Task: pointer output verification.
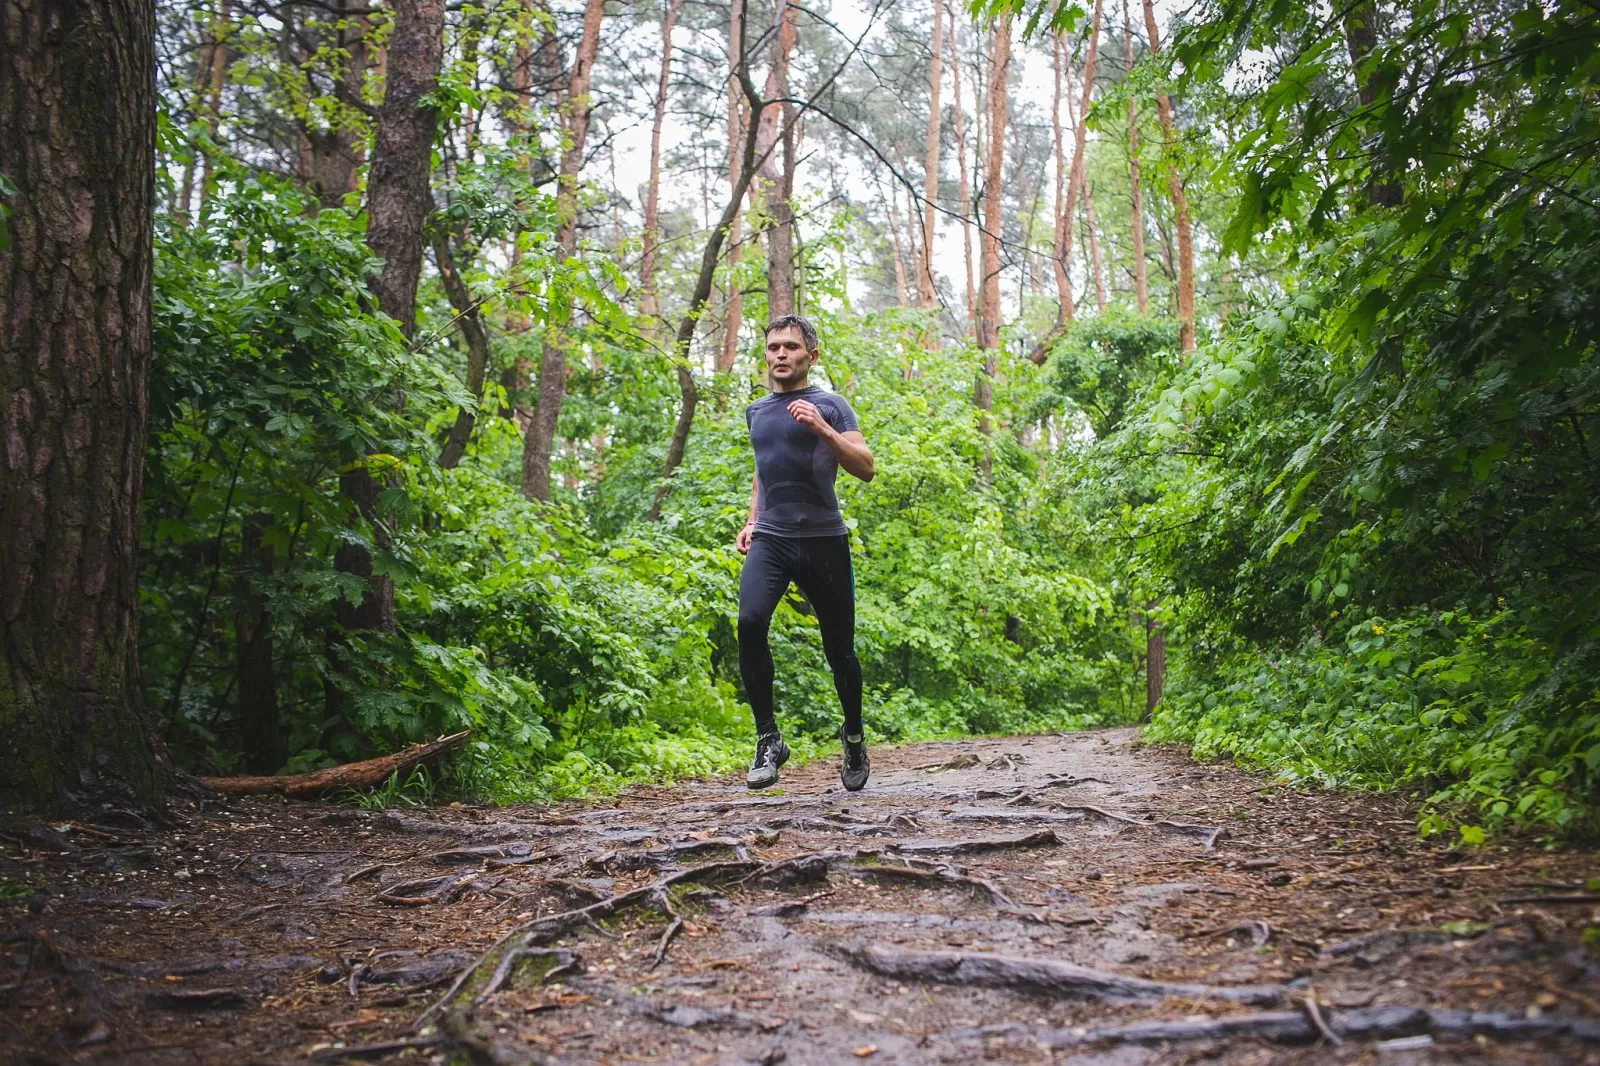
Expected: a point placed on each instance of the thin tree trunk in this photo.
(1155, 662)
(77, 133)
(538, 442)
(989, 238)
(966, 185)
(1059, 242)
(649, 299)
(1141, 280)
(927, 291)
(897, 250)
(477, 337)
(1093, 242)
(775, 192)
(738, 123)
(218, 65)
(1066, 210)
(1361, 23)
(397, 207)
(689, 394)
(1180, 201)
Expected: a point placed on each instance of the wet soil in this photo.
(1076, 898)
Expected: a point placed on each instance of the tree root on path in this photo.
(542, 931)
(1295, 1027)
(1041, 838)
(1045, 976)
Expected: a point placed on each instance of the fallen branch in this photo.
(1043, 976)
(1577, 897)
(366, 774)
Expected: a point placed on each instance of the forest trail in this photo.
(1075, 898)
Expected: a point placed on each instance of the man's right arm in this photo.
(742, 542)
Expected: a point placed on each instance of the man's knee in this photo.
(753, 625)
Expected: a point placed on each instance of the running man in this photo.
(801, 436)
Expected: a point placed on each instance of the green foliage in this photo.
(1499, 728)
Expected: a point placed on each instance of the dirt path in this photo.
(1031, 900)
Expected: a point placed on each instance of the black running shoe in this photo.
(771, 753)
(855, 767)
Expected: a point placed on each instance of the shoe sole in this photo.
(751, 781)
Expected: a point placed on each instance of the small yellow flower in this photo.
(1377, 629)
(1333, 614)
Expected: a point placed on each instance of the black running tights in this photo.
(821, 567)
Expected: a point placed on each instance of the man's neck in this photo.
(794, 386)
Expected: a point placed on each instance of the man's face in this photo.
(787, 358)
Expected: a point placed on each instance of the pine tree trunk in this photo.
(927, 291)
(1062, 238)
(1180, 201)
(649, 299)
(77, 136)
(776, 171)
(1141, 280)
(397, 207)
(960, 117)
(217, 65)
(539, 440)
(1093, 240)
(989, 238)
(897, 251)
(738, 123)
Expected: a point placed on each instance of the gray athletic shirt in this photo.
(794, 469)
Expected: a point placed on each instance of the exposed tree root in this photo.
(1043, 976)
(1039, 839)
(1295, 1027)
(365, 774)
(931, 873)
(425, 890)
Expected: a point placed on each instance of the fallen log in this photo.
(1043, 976)
(365, 774)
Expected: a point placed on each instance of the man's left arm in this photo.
(849, 446)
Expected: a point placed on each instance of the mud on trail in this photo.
(1058, 899)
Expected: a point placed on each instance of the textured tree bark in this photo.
(1361, 23)
(1141, 279)
(960, 117)
(1155, 663)
(539, 441)
(927, 291)
(989, 237)
(738, 129)
(397, 182)
(779, 232)
(398, 199)
(649, 299)
(77, 136)
(329, 161)
(1180, 200)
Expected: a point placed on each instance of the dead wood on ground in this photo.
(366, 774)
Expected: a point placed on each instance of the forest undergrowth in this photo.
(1332, 459)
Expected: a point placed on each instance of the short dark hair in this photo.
(808, 332)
